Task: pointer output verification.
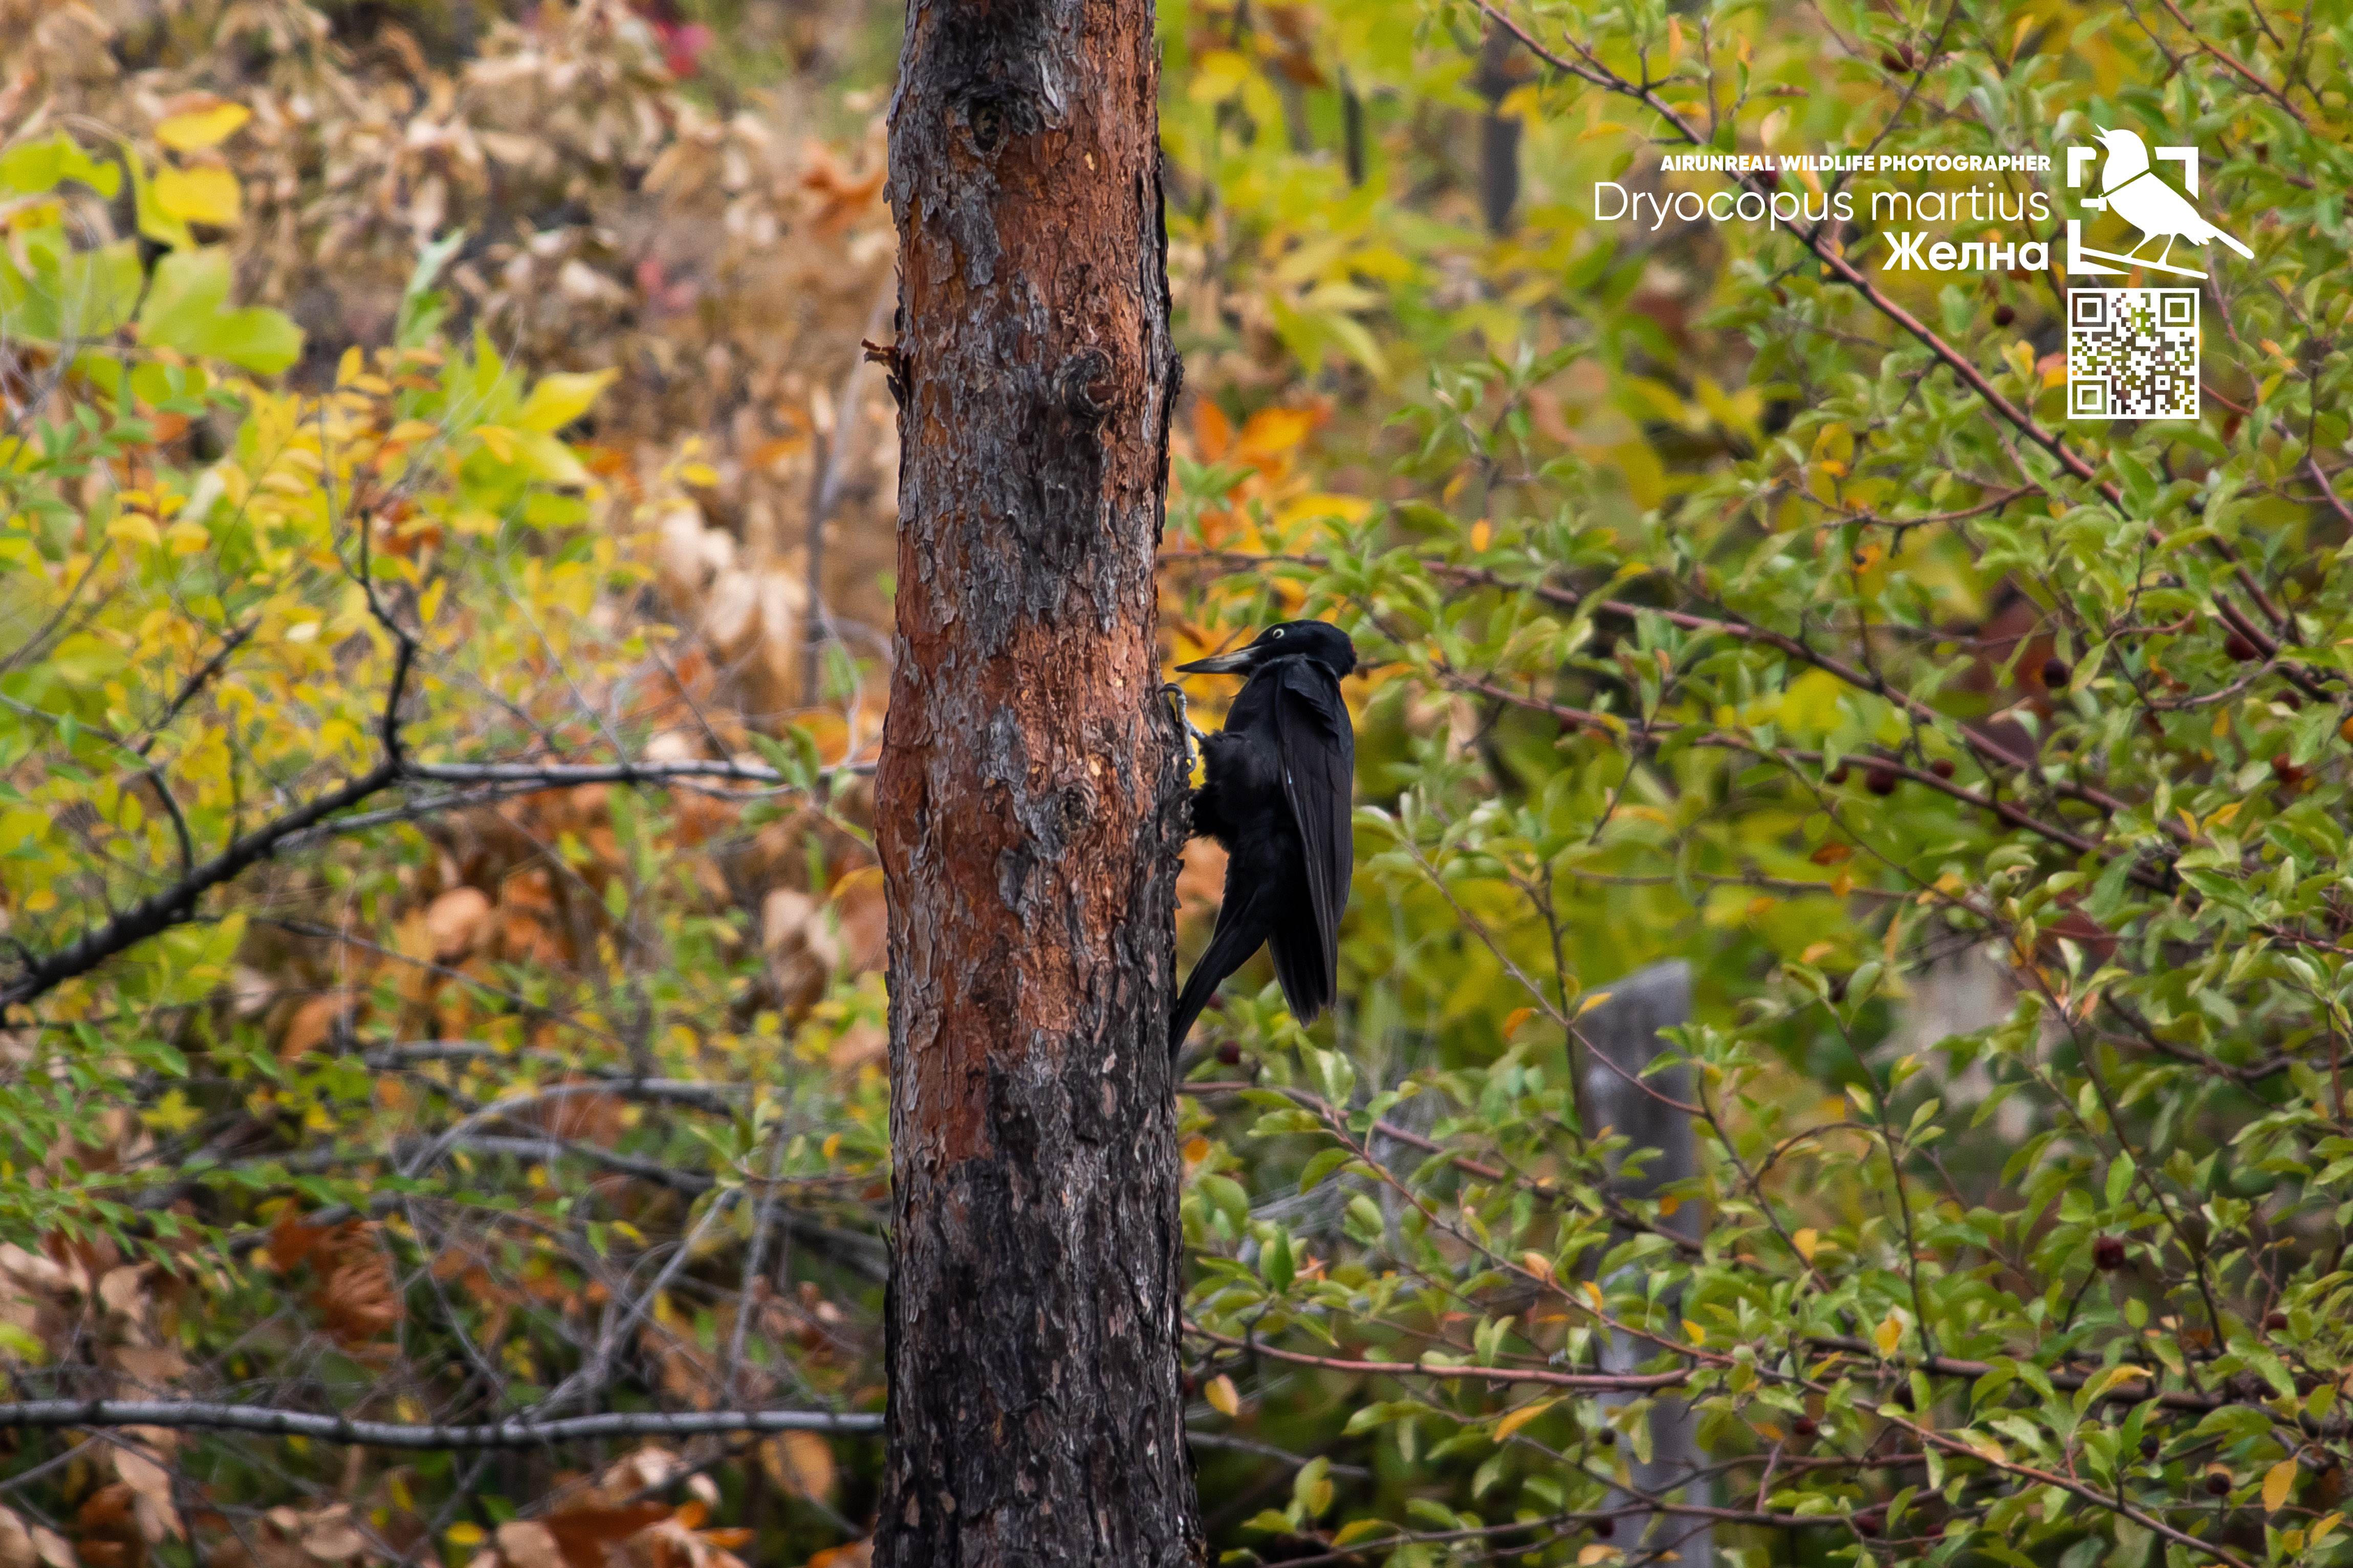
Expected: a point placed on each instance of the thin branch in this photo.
(188, 1414)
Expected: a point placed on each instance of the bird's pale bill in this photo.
(1219, 664)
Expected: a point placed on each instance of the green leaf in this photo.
(1325, 1161)
(71, 295)
(2120, 1179)
(1276, 1263)
(187, 309)
(422, 307)
(35, 168)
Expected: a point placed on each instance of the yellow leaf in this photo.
(1889, 1334)
(1271, 432)
(1694, 1332)
(1807, 1240)
(1537, 1263)
(556, 401)
(172, 1115)
(1593, 1294)
(1317, 505)
(464, 1534)
(201, 128)
(499, 439)
(1591, 1000)
(134, 527)
(1218, 75)
(1513, 1420)
(187, 539)
(199, 196)
(1482, 534)
(2114, 1375)
(2278, 1481)
(348, 368)
(1221, 1396)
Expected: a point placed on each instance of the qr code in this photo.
(2132, 353)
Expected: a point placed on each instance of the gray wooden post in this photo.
(1625, 1029)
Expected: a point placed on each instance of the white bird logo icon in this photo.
(2131, 189)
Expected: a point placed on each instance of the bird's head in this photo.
(1325, 644)
(2125, 144)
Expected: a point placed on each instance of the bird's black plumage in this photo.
(1280, 777)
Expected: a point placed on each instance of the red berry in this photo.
(2108, 1254)
(1229, 1053)
(2238, 647)
(1880, 780)
(2055, 674)
(2274, 1322)
(1805, 1425)
(2285, 767)
(2217, 1483)
(2003, 315)
(1605, 1528)
(1942, 767)
(1838, 775)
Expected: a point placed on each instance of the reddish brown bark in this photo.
(1029, 803)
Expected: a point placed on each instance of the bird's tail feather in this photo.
(1241, 926)
(1198, 988)
(1301, 965)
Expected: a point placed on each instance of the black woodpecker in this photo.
(1280, 775)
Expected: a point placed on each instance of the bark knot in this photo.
(1084, 387)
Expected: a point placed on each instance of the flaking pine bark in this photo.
(1029, 805)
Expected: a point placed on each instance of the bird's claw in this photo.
(1193, 736)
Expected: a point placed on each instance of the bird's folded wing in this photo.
(1319, 771)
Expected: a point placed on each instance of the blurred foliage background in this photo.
(445, 547)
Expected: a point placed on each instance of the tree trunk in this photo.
(1625, 1029)
(1029, 807)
